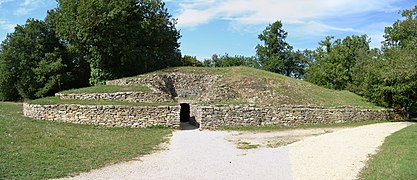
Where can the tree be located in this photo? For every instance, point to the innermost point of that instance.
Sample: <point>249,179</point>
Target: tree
<point>276,55</point>
<point>207,63</point>
<point>119,38</point>
<point>366,74</point>
<point>403,33</point>
<point>8,78</point>
<point>33,62</point>
<point>302,61</point>
<point>78,67</point>
<point>399,79</point>
<point>398,85</point>
<point>228,61</point>
<point>191,61</point>
<point>333,61</point>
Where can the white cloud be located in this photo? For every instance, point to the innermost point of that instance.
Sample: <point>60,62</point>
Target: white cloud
<point>5,1</point>
<point>33,3</point>
<point>192,13</point>
<point>319,28</point>
<point>28,6</point>
<point>251,12</point>
<point>7,26</point>
<point>23,11</point>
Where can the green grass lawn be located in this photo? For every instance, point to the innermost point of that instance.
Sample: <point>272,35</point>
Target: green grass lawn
<point>31,149</point>
<point>56,100</point>
<point>107,89</point>
<point>397,158</point>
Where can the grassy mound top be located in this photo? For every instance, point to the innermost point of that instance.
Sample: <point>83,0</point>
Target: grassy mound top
<point>280,90</point>
<point>107,89</point>
<point>56,100</point>
<point>248,85</point>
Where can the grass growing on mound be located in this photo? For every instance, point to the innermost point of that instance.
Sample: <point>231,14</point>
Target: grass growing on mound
<point>198,70</point>
<point>397,158</point>
<point>31,149</point>
<point>55,100</point>
<point>107,89</point>
<point>248,81</point>
<point>288,91</point>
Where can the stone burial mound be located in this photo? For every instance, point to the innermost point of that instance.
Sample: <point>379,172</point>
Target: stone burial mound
<point>206,98</point>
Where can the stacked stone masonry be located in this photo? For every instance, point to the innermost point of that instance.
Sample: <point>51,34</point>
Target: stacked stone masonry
<point>207,117</point>
<point>106,115</point>
<point>120,96</point>
<point>192,87</point>
<point>210,117</point>
<point>182,85</point>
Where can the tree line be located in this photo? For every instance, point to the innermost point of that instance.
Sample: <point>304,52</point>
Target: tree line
<point>385,76</point>
<point>83,43</point>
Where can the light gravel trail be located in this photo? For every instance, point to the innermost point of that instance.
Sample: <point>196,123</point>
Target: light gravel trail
<point>339,155</point>
<point>198,154</point>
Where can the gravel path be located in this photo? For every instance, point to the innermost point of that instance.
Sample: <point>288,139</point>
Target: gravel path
<point>198,154</point>
<point>338,155</point>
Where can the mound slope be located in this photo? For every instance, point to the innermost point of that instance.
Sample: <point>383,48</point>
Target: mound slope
<point>241,85</point>
<point>206,98</point>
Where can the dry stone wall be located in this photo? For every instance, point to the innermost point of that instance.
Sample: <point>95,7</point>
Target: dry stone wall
<point>212,117</point>
<point>190,85</point>
<point>183,85</point>
<point>207,117</point>
<point>106,115</point>
<point>120,96</point>
<point>200,88</point>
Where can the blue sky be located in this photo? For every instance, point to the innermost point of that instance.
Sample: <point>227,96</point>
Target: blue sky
<point>232,26</point>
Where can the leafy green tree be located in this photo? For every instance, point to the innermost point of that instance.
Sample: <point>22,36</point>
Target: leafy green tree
<point>398,87</point>
<point>32,62</point>
<point>207,63</point>
<point>228,61</point>
<point>191,61</point>
<point>403,33</point>
<point>302,61</point>
<point>8,78</point>
<point>366,74</point>
<point>276,55</point>
<point>119,38</point>
<point>399,79</point>
<point>78,68</point>
<point>333,61</point>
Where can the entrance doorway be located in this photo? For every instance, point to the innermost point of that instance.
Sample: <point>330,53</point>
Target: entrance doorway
<point>187,122</point>
<point>185,112</point>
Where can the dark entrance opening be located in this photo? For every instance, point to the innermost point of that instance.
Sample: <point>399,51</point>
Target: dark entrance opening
<point>185,112</point>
